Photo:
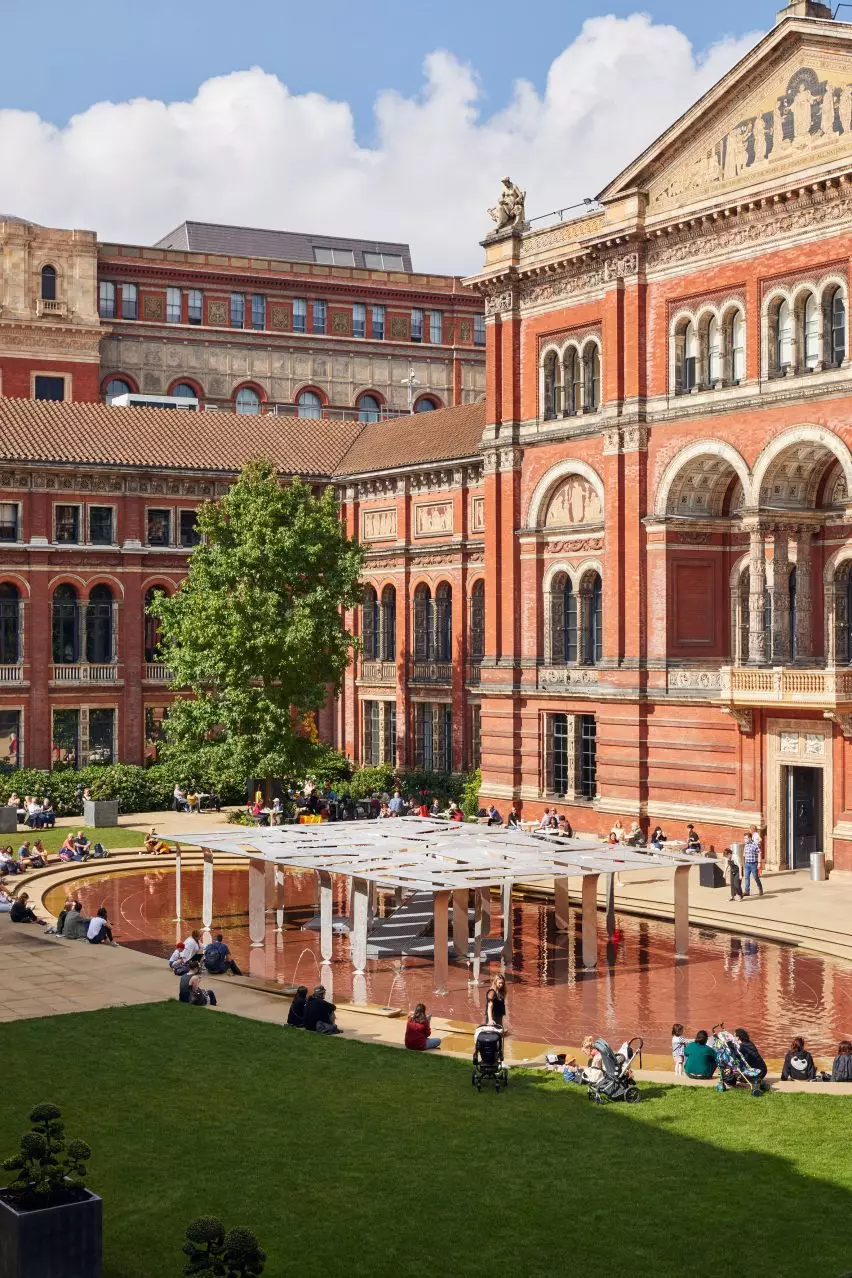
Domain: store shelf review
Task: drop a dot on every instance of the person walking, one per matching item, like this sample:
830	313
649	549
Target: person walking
751	859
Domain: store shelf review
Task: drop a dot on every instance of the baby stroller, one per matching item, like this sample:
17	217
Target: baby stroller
615	1082
734	1069
488	1064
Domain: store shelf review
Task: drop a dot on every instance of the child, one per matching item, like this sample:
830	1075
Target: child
732	874
678	1045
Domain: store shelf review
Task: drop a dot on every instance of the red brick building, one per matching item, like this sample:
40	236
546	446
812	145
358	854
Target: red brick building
622	583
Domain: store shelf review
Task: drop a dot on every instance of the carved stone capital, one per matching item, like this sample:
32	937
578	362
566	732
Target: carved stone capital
843	721
634	439
510	458
743	717
490	461
501	303
611	441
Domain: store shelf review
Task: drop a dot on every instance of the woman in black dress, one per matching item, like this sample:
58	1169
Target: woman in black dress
495	1003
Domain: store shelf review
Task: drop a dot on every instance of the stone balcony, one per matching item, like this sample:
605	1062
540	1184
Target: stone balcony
156	672
12	673
378	672
84	672
431	672
819	686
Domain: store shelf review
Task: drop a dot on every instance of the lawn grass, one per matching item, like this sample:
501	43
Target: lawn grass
347	1157
115	836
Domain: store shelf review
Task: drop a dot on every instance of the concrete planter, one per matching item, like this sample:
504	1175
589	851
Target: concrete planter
8	819
62	1242
100	812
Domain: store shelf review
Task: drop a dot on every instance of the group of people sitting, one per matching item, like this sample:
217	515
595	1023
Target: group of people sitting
188	799
696	1058
313	1011
190	959
27	858
37	813
78	847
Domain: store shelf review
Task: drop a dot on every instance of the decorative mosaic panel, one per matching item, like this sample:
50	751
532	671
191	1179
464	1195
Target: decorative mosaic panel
217	313
399	328
153	306
279	317
341	323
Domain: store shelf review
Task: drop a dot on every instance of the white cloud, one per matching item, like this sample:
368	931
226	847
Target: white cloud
249	151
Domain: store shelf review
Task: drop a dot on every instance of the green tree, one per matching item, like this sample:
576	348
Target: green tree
256	630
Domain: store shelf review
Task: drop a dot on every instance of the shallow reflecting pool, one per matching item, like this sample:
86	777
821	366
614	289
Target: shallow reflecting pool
773	990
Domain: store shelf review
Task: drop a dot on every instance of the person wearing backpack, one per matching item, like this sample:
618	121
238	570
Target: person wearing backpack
799	1065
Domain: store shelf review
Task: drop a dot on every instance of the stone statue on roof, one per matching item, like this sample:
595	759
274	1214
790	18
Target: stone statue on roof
508	212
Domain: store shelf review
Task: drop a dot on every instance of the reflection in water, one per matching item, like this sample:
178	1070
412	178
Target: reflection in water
639	987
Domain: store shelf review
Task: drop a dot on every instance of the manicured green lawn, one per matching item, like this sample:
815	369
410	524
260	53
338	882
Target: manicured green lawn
118	836
348	1158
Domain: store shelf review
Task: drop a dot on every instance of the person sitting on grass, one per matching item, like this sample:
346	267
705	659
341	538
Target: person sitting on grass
217	958
99	929
798	1064
76	923
699	1060
841	1070
190	990
296	1015
21	912
418	1031
319	1014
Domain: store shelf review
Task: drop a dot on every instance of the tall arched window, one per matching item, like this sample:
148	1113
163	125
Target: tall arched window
835	316
369	409
573	382
388	624
738	348
151	632
714	351
563	621
247	401
784	337
10	625
99	630
591	379
685	357
477	620
66	625
309	404
551	385
444	622
424	624
592	590
370	623
48	283
811	333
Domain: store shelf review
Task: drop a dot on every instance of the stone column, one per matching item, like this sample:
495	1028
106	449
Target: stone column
804	596
207	894
562	899
590	920
440	906
324	881
681	910
757	654
360	918
257	901
780	597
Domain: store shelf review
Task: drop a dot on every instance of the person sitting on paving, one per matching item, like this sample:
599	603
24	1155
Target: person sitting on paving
99	929
190	990
699	1060
192	945
418	1031
798	1064
177	958
8	864
319	1014
76	923
296	1015
21	912
841	1069
66	851
217	958
751	1054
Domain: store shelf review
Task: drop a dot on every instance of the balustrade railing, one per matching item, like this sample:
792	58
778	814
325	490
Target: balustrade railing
11	673
786	684
379	671
156	672
83	672
432	671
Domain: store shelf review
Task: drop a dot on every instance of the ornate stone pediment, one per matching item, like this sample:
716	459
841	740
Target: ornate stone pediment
784	111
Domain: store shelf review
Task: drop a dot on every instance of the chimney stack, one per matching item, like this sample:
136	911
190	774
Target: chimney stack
805	9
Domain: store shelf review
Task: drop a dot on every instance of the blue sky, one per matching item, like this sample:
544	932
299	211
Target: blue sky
90	50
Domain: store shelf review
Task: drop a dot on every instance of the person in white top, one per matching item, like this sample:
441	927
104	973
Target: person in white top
192	946
99	929
178	955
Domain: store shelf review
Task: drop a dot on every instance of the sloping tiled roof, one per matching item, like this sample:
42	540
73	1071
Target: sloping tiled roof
102	435
286	246
416	439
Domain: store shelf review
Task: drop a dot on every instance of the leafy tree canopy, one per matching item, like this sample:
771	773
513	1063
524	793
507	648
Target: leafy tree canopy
256	630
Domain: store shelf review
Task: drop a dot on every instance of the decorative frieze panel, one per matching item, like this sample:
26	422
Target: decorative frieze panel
477	514
433	519
581	279
499	303
552	677
575	501
378	525
692	680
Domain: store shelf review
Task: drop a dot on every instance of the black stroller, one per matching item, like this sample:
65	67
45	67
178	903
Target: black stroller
488	1064
614	1081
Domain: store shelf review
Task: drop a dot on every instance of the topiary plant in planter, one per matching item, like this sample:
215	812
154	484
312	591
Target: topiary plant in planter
49	1222
215	1253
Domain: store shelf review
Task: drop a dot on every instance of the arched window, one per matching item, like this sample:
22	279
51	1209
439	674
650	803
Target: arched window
387	623
247	401
183	390
552	389
714	352
737	347
48	283
835	328
477	620
309	404
425	405
811	333
370	624
784	337
66	625
424	624
444	622
685	357
573	382
99	636
369	409
151	632
10	626
116	386
592	619
563	621
591	379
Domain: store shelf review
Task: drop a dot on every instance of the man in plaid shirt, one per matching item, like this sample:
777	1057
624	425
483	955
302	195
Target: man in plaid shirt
751	861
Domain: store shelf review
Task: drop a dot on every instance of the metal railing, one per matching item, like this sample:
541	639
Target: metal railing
83	672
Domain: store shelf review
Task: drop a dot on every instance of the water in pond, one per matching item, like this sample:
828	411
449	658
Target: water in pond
773	990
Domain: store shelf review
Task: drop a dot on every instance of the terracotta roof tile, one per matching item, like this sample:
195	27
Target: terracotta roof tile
97	434
416	439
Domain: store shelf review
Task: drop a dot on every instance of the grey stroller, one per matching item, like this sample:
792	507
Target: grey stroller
615	1081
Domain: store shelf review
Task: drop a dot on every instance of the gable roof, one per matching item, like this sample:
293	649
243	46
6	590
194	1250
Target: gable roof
446	434
285	246
107	435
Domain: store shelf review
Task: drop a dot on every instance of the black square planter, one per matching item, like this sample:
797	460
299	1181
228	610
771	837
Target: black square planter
59	1242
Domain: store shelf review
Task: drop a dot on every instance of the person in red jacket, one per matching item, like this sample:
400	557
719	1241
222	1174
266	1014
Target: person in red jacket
418	1030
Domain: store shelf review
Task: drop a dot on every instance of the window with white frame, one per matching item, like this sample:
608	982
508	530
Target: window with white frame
834	310
479	330
300	315
384	262
359	320
159	526
318	317
195	306
238	310
129	301
378	323
436	327
258	311
10	521
66	523
416	325
174	312
102	525
106	299
811	326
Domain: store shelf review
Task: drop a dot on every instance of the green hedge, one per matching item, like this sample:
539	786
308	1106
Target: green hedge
136	789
